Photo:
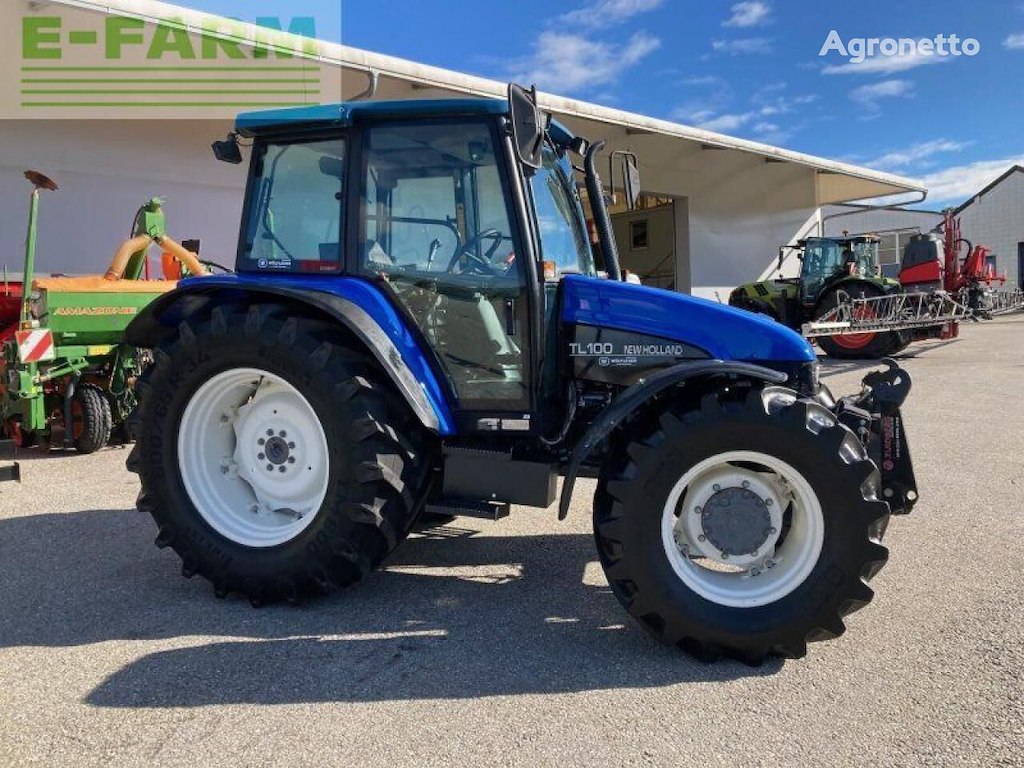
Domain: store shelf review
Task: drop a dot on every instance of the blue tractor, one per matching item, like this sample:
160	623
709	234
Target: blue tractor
416	325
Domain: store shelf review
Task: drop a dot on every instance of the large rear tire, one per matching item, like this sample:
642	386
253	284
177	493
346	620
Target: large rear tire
746	526
272	457
856	346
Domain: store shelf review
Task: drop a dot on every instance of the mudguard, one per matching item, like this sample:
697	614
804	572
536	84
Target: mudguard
641	392
355	303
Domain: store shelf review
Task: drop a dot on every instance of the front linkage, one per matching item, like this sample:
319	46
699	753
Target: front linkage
874	416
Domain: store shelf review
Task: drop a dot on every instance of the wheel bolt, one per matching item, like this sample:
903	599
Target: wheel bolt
270	467
291	446
282	434
717	487
746	483
755	571
772	531
770	563
261	441
702	537
282	469
291	459
270	433
261	457
725	555
698	510
768	502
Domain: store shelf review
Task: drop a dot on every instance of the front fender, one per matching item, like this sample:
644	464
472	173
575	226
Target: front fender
633	398
355	304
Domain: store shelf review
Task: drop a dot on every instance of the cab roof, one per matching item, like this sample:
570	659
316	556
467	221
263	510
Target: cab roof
346	113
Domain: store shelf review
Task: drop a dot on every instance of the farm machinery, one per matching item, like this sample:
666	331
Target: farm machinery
945	261
841	300
416	325
64	366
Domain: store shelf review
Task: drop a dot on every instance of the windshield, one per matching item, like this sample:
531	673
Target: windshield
295	206
563	235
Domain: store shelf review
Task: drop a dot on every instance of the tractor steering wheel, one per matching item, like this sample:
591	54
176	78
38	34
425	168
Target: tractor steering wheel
469	249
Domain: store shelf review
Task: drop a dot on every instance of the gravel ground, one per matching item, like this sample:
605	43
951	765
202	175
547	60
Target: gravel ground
500	644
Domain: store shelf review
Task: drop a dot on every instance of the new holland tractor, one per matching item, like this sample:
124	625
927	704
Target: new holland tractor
417	325
830	268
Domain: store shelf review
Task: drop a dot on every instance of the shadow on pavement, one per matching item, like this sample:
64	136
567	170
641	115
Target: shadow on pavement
454	615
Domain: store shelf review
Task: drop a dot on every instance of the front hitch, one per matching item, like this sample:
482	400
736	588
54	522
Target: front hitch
874	416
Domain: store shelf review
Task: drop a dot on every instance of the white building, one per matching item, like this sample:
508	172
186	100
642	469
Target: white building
731	202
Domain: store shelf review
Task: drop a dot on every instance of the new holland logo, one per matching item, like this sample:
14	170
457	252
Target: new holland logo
35	346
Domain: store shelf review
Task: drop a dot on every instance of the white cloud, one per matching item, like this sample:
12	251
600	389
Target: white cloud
885	65
1014	42
702	80
751	13
748	45
566	63
599	14
870	95
915	155
726	123
957	184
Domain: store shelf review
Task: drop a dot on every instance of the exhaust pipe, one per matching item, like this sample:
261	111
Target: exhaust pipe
602	221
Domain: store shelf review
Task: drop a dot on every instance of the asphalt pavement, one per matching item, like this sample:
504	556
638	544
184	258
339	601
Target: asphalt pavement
500	643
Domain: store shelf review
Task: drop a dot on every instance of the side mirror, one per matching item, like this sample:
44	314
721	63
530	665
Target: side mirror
228	151
527	125
631	179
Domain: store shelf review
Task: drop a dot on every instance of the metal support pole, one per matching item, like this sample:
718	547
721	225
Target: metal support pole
30	261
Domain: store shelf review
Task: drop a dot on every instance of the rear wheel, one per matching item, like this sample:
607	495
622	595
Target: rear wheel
857	346
273	458
745	526
91	419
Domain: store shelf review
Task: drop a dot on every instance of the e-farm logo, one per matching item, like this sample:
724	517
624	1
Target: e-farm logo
130	62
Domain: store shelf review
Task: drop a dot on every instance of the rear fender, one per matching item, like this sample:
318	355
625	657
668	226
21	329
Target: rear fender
354	304
634	398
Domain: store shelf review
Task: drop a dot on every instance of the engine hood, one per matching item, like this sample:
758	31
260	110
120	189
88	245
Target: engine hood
724	332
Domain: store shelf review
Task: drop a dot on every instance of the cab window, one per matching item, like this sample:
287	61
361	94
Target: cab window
295	208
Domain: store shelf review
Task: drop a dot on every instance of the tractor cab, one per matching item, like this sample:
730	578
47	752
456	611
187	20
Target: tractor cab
826	261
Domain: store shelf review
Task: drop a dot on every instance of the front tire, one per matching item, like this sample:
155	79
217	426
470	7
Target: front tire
272	457
746	526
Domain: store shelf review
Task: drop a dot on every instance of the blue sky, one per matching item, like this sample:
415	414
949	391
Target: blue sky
747	69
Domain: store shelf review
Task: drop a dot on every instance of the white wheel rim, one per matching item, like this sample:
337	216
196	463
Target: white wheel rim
781	562
253	457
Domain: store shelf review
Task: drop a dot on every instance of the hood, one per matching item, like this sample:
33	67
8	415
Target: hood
723	332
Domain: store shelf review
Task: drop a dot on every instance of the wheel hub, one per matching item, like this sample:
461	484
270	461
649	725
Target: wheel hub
733	516
736	521
277	450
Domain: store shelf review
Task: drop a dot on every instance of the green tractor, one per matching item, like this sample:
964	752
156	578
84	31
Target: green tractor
829	266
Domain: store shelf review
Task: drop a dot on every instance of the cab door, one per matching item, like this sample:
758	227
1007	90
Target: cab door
436	232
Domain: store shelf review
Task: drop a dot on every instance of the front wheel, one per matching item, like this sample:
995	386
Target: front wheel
746	526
